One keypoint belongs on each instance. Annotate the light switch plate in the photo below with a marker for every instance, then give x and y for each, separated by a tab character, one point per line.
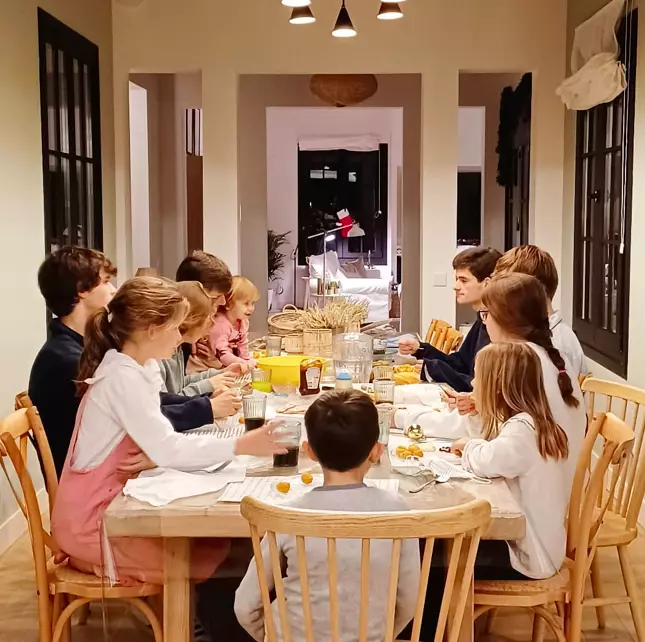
440	280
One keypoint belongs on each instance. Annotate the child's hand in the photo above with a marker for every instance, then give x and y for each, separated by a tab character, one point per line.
408	345
462	402
203	348
134	464
224	403
236	369
457	446
223	380
259	442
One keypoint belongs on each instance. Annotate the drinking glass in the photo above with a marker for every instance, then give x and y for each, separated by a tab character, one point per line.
383	373
287	434
274	346
384	392
261	380
254	408
385	412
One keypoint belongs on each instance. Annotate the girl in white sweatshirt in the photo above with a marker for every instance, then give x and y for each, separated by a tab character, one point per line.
522	443
120	415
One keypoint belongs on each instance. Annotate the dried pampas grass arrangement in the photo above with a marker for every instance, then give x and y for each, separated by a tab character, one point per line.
338	313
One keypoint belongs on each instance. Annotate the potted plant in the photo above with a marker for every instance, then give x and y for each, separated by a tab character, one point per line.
275	258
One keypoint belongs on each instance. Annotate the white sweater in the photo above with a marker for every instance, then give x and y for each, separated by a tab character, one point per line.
451	425
124	399
565	340
539	486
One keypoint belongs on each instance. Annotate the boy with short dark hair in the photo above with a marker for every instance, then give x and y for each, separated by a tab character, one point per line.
530	259
75	282
473	268
217	280
342	432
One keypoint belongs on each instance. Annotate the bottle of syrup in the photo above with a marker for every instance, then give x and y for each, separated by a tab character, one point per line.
310	376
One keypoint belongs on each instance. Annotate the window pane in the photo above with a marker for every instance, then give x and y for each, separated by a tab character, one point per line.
82	218
88	112
50	97
617	195
618	119
609	125
584	198
91	233
607	277
316	173
607	198
69	237
62	89
77	108
586	115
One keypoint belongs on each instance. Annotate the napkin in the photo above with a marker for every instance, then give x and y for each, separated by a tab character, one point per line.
161	486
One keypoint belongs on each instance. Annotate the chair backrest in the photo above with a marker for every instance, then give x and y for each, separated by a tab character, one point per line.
462	526
628	404
586	514
432	335
15	431
449	340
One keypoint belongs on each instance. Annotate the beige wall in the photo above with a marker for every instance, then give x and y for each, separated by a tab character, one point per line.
256	93
169	95
578	12
22	324
436	39
485	90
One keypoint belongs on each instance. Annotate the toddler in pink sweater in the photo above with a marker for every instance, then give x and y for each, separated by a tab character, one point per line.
230	333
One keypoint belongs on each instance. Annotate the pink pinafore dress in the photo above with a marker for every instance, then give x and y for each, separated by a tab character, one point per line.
77	524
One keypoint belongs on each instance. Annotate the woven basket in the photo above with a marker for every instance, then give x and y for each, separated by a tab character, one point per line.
317	343
285	323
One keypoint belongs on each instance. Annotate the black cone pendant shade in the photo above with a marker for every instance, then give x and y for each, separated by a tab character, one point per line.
344	27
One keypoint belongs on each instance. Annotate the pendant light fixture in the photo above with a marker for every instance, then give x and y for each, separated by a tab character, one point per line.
296	3
302	16
390	11
344	27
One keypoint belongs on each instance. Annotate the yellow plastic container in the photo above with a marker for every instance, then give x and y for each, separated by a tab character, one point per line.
285	369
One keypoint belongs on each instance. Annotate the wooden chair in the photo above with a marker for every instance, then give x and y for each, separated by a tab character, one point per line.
620	526
61	590
462	526
566	589
449	340
432	335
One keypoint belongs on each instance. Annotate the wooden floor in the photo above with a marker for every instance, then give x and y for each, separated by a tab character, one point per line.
18	619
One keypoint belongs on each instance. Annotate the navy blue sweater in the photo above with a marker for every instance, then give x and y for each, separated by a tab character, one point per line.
53	392
456	369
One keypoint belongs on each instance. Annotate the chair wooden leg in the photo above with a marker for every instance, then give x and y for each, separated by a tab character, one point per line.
539	626
597	590
489	621
83	614
553	620
636	600
63	629
147	610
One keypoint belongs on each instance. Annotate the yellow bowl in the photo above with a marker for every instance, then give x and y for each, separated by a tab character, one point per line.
286	369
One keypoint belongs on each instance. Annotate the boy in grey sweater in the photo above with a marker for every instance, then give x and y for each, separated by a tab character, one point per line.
342	431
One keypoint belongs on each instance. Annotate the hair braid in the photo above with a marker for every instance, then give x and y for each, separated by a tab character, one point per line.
542	336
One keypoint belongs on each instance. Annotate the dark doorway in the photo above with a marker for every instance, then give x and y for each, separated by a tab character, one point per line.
71	136
469	208
514	168
330	181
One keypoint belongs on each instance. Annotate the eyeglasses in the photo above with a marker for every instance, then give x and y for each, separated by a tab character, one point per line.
483	315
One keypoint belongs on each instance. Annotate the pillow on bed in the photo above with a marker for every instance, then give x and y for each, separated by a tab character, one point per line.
354	269
316	266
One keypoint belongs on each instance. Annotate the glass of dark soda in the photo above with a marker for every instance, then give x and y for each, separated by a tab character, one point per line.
287	434
254	408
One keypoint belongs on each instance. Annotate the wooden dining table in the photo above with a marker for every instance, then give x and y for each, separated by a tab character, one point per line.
184	520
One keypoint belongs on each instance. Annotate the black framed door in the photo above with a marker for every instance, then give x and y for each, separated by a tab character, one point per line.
71	135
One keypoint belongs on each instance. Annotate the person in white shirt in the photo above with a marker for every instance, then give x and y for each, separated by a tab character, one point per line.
515	309
522	443
120	415
530	259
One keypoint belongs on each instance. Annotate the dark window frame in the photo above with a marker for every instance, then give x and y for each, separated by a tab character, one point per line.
601	271
73	200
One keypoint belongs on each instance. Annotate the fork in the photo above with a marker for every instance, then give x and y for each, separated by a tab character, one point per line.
439	479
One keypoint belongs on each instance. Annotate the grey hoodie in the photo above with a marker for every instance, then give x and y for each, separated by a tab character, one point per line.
176	381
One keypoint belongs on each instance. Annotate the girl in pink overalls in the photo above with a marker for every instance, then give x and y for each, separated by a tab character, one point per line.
120	416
